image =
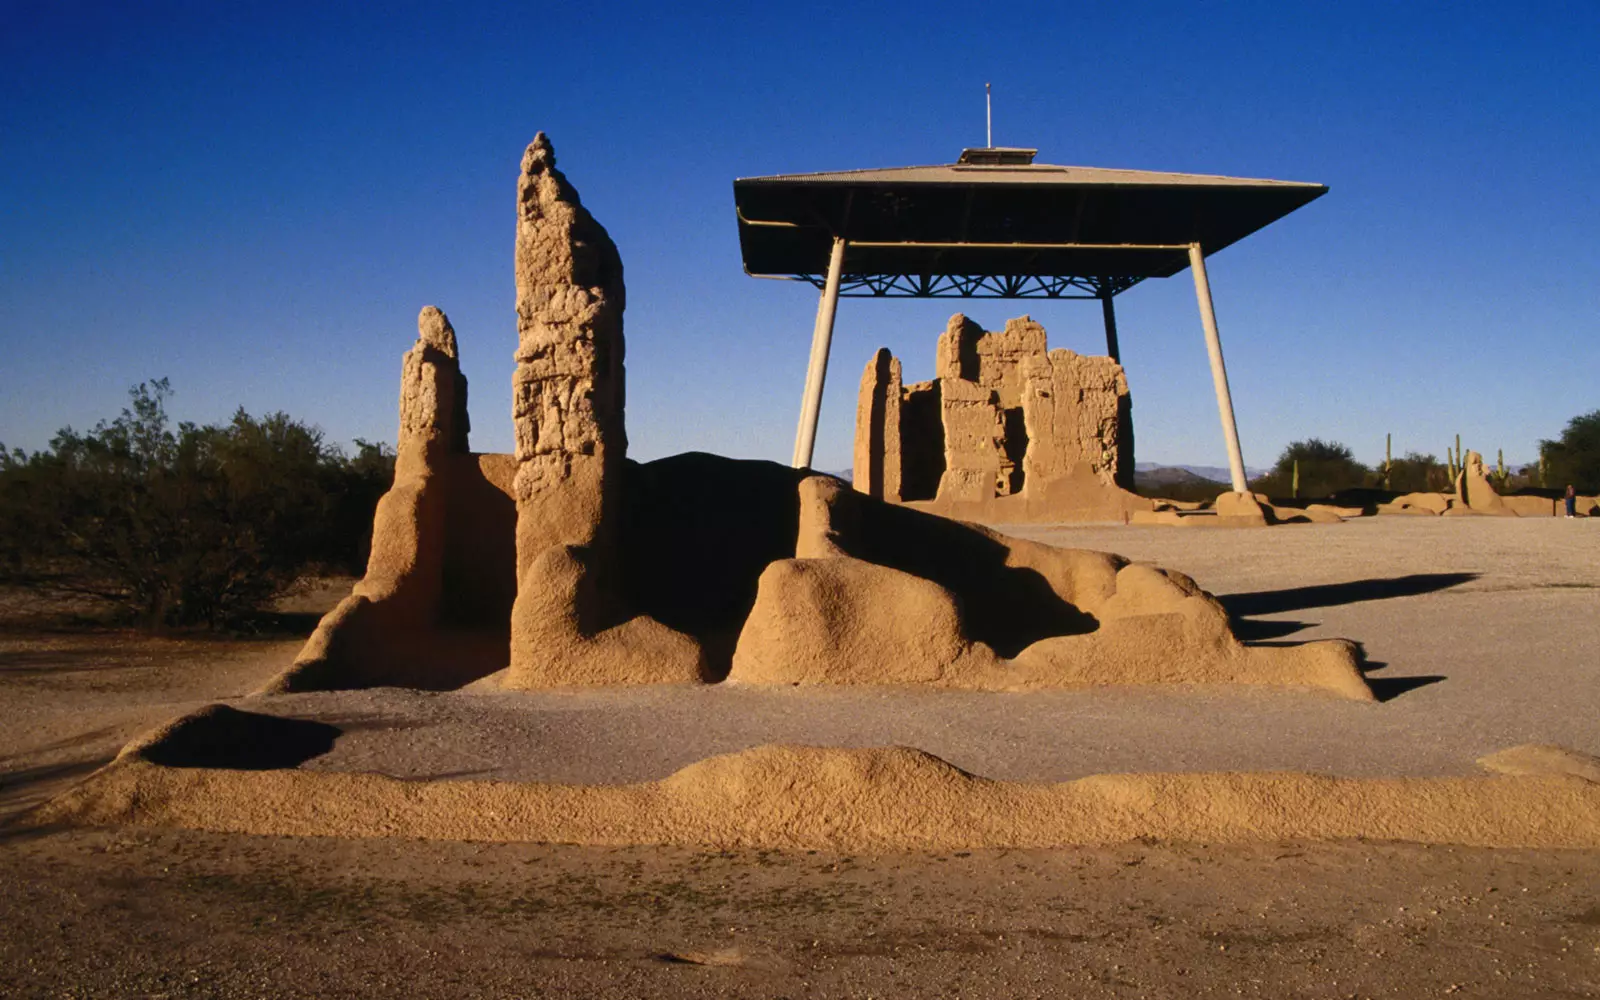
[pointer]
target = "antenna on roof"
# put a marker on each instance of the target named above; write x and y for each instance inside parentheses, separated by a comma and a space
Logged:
(988, 114)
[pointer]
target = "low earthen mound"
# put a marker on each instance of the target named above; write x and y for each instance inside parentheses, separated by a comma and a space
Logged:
(887, 798)
(881, 594)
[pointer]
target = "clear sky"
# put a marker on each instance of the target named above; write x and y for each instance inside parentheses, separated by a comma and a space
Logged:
(255, 199)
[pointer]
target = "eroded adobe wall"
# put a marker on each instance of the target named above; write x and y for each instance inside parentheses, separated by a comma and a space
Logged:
(439, 572)
(568, 391)
(1008, 429)
(571, 622)
(877, 444)
(1076, 410)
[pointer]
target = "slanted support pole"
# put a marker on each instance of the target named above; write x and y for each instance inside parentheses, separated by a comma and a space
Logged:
(1110, 314)
(821, 340)
(1219, 372)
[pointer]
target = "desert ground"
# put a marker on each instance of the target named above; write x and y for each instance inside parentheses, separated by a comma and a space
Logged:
(1479, 634)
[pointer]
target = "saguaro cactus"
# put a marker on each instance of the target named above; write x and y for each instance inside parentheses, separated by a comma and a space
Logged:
(1294, 483)
(1388, 457)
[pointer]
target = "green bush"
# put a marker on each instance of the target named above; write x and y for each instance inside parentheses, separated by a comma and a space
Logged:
(188, 526)
(1415, 472)
(1325, 468)
(1574, 458)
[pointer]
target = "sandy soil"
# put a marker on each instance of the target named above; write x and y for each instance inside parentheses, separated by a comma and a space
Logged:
(168, 914)
(1505, 615)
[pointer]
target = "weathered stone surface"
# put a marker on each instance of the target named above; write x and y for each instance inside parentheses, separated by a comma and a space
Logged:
(1072, 408)
(1244, 508)
(568, 396)
(556, 643)
(877, 451)
(433, 397)
(568, 390)
(397, 604)
(848, 609)
(1475, 491)
(973, 434)
(956, 353)
(1008, 430)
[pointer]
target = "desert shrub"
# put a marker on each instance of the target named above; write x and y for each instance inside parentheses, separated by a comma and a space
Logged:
(356, 484)
(188, 525)
(1326, 467)
(1415, 472)
(1574, 457)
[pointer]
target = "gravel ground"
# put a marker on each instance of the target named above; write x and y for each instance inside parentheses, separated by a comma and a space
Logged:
(141, 913)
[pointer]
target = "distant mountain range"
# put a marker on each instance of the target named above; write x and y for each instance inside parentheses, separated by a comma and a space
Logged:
(1155, 472)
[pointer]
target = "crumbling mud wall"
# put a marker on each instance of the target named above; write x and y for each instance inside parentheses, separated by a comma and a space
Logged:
(431, 610)
(880, 593)
(569, 624)
(1475, 494)
(1008, 430)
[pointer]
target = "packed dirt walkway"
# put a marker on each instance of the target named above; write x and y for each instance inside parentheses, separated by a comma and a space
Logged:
(168, 914)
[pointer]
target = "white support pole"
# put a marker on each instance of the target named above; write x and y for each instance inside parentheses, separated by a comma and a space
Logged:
(821, 339)
(1219, 372)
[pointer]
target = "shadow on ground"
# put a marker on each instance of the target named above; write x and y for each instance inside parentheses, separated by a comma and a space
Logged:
(1269, 602)
(1390, 688)
(219, 736)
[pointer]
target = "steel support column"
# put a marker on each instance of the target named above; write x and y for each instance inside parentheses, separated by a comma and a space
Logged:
(1110, 314)
(1219, 372)
(821, 340)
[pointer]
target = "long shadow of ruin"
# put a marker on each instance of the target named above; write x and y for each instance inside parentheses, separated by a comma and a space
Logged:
(1268, 602)
(1390, 688)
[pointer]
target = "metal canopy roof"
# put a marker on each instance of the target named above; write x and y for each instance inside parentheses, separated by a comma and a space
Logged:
(1006, 230)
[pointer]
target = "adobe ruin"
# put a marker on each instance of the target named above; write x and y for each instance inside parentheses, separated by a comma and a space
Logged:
(1007, 430)
(566, 564)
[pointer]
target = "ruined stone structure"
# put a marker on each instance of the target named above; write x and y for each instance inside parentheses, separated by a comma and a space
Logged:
(568, 565)
(568, 389)
(431, 610)
(1007, 430)
(1475, 494)
(568, 397)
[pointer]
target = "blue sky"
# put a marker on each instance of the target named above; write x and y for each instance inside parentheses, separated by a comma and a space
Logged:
(255, 200)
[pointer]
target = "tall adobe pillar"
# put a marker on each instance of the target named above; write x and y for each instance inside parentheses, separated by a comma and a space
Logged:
(570, 624)
(568, 388)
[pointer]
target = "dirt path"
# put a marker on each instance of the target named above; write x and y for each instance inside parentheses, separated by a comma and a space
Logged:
(117, 914)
